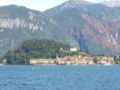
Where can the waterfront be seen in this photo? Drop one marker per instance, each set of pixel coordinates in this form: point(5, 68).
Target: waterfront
point(59, 78)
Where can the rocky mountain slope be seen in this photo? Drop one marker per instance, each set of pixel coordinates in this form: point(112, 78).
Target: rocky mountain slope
point(18, 24)
point(96, 27)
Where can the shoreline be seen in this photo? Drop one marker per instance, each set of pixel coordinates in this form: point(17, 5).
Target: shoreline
point(57, 65)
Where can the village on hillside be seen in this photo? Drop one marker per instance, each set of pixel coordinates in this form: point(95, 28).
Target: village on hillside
point(59, 56)
point(75, 60)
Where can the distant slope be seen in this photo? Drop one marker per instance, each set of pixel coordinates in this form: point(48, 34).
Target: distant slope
point(112, 3)
point(18, 24)
point(95, 27)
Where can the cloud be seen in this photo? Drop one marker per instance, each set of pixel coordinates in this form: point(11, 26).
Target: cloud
point(4, 2)
point(91, 0)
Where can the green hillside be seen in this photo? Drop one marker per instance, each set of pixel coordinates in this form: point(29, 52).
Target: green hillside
point(36, 49)
point(18, 24)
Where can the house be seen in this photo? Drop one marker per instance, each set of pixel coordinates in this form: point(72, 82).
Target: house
point(42, 61)
point(73, 49)
point(105, 60)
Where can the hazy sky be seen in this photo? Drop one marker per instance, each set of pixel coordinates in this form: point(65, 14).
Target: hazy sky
point(40, 5)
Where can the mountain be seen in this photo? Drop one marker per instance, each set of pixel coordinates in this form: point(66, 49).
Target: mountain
point(91, 27)
point(112, 3)
point(69, 4)
point(18, 23)
point(94, 26)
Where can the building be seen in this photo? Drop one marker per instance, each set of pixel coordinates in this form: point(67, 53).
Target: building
point(42, 61)
point(105, 60)
point(73, 49)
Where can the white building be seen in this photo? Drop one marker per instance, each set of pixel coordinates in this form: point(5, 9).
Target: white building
point(73, 49)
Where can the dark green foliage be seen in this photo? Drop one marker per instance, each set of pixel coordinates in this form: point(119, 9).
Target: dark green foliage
point(36, 49)
point(95, 60)
point(117, 59)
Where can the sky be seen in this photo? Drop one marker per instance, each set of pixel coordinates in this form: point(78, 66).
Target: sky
point(40, 5)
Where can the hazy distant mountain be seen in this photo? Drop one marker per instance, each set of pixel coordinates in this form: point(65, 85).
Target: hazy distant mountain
point(112, 3)
point(18, 24)
point(95, 27)
point(69, 4)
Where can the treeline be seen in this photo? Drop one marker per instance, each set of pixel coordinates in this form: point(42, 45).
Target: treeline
point(37, 49)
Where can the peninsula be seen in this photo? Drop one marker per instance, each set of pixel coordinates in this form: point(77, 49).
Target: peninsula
point(50, 52)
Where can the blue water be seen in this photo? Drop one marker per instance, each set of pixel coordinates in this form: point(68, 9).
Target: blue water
point(59, 77)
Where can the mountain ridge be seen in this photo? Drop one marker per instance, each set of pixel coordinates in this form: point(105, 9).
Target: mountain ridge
point(90, 27)
point(18, 24)
point(93, 26)
point(112, 3)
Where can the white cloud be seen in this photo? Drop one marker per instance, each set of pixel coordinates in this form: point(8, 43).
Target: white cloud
point(91, 0)
point(4, 2)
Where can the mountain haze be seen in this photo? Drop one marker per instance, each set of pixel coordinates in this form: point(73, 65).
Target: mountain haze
point(112, 3)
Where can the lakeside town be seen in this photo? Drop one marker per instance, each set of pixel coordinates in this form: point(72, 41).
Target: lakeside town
point(76, 60)
point(62, 55)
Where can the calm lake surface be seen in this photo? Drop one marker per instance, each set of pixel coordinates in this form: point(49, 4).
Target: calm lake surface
point(59, 77)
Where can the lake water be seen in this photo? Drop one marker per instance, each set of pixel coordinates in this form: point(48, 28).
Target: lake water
point(59, 77)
